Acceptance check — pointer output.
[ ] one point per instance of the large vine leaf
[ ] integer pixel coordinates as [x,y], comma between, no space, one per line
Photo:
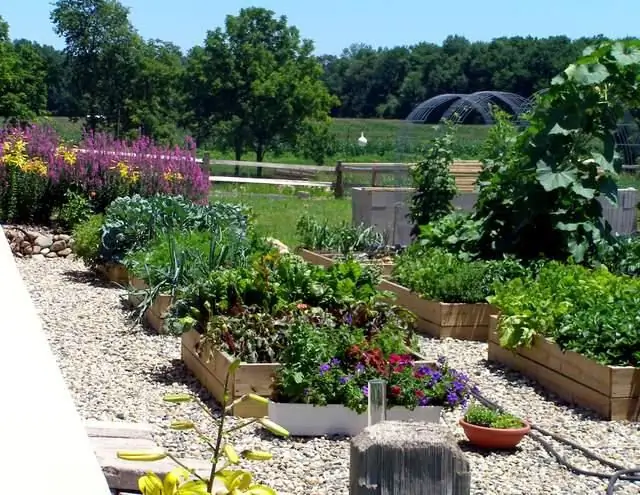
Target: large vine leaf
[625,55]
[587,74]
[551,180]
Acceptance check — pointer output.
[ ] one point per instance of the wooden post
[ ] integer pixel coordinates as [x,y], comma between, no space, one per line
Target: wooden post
[206,163]
[338,189]
[374,175]
[406,458]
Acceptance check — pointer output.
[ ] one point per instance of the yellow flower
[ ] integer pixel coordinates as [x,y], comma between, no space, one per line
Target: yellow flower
[170,176]
[68,155]
[36,166]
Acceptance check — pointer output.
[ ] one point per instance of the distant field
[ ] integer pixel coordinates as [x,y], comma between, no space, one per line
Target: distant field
[388,141]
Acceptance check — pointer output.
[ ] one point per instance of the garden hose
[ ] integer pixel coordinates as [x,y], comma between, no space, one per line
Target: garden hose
[621,473]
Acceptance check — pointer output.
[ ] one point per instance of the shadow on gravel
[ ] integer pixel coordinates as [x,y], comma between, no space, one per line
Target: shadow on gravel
[517,379]
[175,373]
[89,278]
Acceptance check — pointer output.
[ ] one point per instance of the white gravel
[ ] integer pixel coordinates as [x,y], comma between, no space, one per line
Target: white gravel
[118,371]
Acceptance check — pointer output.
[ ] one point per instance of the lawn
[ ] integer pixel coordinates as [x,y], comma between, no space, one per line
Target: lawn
[277,216]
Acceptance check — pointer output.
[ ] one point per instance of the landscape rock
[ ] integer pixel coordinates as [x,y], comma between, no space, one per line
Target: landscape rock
[38,257]
[44,241]
[27,242]
[58,246]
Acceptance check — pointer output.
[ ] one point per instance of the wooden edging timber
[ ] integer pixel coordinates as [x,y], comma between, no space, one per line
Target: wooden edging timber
[114,272]
[611,391]
[210,367]
[328,259]
[444,320]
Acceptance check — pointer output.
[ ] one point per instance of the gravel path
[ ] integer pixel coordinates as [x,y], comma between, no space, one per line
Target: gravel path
[118,371]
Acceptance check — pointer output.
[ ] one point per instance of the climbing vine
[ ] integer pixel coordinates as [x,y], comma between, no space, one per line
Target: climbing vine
[539,191]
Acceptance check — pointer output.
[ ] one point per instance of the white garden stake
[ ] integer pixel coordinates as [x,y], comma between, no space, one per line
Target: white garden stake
[377,409]
[362,141]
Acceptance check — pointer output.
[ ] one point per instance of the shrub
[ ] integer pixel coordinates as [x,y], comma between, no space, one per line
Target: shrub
[442,276]
[591,312]
[87,238]
[74,211]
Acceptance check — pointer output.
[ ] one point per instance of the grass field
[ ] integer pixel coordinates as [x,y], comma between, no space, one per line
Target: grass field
[388,140]
[277,216]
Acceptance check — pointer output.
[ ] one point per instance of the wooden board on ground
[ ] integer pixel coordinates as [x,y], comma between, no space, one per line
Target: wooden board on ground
[327,259]
[611,391]
[109,438]
[444,320]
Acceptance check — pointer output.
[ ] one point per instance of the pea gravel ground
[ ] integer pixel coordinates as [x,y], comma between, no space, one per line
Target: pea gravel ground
[119,371]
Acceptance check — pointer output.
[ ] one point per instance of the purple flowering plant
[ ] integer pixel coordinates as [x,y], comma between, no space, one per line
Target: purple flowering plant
[410,384]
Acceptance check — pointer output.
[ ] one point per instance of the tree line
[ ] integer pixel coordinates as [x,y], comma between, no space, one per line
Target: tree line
[253,84]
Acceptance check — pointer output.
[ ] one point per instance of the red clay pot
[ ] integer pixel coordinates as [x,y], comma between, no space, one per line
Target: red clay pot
[494,438]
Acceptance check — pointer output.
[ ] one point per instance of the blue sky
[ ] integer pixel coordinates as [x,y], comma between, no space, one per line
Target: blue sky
[335,24]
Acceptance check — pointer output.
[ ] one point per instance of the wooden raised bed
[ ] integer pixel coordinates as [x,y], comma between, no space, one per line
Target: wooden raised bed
[210,368]
[154,316]
[611,391]
[114,272]
[441,320]
[327,259]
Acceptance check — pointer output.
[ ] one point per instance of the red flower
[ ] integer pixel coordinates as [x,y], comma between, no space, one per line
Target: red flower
[395,390]
[419,394]
[302,306]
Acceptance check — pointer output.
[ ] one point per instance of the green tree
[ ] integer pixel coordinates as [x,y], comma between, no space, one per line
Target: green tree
[101,49]
[23,90]
[256,82]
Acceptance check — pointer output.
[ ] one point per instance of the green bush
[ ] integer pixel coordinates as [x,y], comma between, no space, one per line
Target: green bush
[490,418]
[591,312]
[87,239]
[442,276]
[75,210]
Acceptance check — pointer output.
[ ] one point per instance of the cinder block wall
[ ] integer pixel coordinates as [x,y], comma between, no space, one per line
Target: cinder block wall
[387,209]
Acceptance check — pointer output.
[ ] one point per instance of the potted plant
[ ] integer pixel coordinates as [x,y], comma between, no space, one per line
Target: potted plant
[491,429]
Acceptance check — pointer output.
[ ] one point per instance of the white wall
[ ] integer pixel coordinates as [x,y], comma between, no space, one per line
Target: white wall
[44,444]
[387,208]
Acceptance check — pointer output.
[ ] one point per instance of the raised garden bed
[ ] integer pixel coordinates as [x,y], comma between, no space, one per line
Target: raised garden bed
[154,316]
[611,391]
[114,272]
[210,368]
[336,419]
[327,259]
[441,320]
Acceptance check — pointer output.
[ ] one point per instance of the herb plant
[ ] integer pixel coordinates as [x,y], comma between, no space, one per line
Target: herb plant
[442,276]
[87,239]
[486,417]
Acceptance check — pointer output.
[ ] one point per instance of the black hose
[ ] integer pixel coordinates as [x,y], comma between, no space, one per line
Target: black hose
[621,473]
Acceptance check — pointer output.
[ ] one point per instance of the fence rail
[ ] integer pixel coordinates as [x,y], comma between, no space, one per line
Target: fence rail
[465,172]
